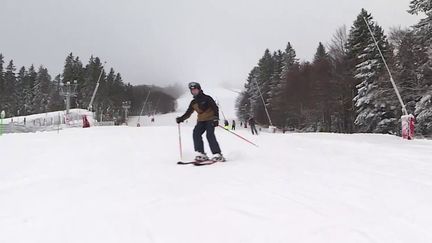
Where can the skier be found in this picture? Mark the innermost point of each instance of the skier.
(233, 125)
(226, 124)
(208, 119)
(252, 126)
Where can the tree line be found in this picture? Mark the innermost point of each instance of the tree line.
(346, 87)
(32, 90)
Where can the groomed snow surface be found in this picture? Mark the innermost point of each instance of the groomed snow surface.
(122, 184)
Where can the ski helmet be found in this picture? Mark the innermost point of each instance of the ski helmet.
(194, 85)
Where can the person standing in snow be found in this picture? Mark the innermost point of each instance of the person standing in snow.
(233, 125)
(252, 126)
(208, 119)
(226, 124)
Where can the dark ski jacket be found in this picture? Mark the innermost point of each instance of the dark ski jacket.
(205, 106)
(252, 121)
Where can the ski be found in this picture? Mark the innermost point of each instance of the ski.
(207, 162)
(197, 163)
(186, 162)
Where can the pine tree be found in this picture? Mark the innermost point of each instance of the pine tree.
(73, 71)
(274, 85)
(9, 99)
(373, 114)
(41, 91)
(1, 83)
(423, 35)
(28, 89)
(284, 87)
(263, 79)
(423, 113)
(289, 60)
(112, 91)
(422, 46)
(56, 101)
(321, 89)
(118, 91)
(69, 69)
(405, 66)
(252, 93)
(91, 75)
(344, 83)
(20, 87)
(293, 98)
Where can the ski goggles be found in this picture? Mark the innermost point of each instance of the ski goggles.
(194, 85)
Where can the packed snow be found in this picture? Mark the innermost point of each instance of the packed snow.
(122, 184)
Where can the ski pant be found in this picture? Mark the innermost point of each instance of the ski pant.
(200, 128)
(253, 128)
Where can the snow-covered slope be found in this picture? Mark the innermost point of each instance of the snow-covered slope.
(122, 184)
(224, 97)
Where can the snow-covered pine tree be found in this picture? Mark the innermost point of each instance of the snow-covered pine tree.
(272, 100)
(20, 87)
(9, 99)
(117, 90)
(91, 75)
(112, 90)
(252, 93)
(406, 57)
(73, 70)
(28, 91)
(41, 90)
(1, 82)
(263, 78)
(56, 101)
(423, 48)
(372, 113)
(423, 113)
(387, 106)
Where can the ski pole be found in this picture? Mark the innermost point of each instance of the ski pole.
(180, 143)
(238, 135)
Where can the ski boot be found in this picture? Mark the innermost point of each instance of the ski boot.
(200, 157)
(218, 158)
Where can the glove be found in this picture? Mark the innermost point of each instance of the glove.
(215, 122)
(179, 120)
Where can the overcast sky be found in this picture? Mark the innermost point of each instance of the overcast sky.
(161, 42)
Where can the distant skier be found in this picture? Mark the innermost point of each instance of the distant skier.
(252, 126)
(208, 119)
(226, 124)
(233, 125)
